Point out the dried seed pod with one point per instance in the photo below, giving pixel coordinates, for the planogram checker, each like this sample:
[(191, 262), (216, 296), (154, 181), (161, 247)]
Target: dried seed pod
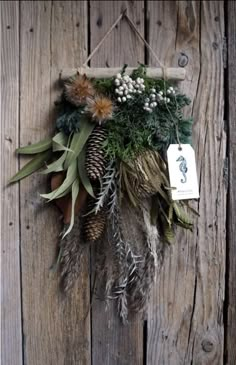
[(78, 89)]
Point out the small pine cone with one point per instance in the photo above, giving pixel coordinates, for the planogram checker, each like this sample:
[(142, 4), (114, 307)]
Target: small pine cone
[(95, 157), (94, 225)]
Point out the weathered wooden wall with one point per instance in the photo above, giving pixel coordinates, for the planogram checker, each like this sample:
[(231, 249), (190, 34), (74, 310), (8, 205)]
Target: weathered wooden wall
[(186, 320)]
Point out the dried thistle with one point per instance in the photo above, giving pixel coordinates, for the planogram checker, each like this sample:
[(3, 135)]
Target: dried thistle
[(100, 108), (78, 89)]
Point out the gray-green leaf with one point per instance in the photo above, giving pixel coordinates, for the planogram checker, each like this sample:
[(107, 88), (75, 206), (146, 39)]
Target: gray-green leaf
[(74, 194), (36, 147), (78, 141), (83, 174), (56, 165), (59, 142), (71, 175), (36, 163)]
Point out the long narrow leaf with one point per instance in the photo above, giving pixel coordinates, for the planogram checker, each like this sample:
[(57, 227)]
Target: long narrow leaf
[(36, 147), (83, 174), (70, 178), (35, 164), (56, 165), (78, 141), (59, 142), (74, 194), (65, 192)]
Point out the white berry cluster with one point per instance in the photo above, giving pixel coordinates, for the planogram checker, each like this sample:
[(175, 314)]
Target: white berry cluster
[(157, 97), (126, 87)]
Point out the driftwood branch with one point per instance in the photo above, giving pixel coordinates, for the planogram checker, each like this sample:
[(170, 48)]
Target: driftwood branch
[(155, 73)]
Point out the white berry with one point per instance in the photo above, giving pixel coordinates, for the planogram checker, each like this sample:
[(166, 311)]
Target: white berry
[(119, 99), (128, 96), (118, 76), (126, 92), (146, 104), (117, 91), (124, 98)]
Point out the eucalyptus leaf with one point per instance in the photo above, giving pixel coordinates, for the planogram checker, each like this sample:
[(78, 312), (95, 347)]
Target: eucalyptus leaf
[(56, 165), (78, 141), (67, 191), (36, 147), (83, 174), (74, 194), (70, 178), (59, 142), (35, 164)]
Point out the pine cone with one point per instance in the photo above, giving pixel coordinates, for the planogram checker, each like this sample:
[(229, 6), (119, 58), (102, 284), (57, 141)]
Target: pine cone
[(94, 224), (95, 157)]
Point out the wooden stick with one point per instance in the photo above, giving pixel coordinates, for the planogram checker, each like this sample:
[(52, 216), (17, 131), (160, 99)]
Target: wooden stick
[(153, 72)]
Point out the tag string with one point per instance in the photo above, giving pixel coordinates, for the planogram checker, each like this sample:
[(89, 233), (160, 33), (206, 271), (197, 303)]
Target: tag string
[(136, 31)]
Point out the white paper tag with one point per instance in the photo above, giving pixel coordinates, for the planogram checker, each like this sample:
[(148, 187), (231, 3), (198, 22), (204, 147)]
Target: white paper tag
[(182, 172)]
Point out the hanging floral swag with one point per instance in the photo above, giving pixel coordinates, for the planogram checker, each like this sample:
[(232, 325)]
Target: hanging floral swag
[(110, 147)]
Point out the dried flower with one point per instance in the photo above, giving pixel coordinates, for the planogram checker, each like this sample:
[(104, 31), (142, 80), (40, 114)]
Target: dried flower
[(100, 108), (77, 90)]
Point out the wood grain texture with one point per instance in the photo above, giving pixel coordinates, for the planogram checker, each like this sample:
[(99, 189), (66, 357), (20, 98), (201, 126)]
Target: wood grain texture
[(185, 317), (11, 331), (40, 40), (112, 342), (231, 254), (55, 329)]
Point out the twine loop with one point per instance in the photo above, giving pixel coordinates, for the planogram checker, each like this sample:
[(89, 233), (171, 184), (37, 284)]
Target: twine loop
[(124, 15)]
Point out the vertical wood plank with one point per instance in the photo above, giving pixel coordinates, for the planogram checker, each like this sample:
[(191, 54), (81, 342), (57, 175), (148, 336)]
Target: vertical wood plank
[(53, 36), (231, 254), (185, 317), (11, 330), (112, 342)]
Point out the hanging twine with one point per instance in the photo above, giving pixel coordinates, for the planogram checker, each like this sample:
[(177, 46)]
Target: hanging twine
[(132, 25)]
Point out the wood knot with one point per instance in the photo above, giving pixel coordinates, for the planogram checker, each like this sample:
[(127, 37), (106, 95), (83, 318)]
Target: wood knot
[(207, 345), (183, 60), (215, 45)]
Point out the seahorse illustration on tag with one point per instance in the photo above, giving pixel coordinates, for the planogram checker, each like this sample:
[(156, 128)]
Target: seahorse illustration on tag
[(183, 168)]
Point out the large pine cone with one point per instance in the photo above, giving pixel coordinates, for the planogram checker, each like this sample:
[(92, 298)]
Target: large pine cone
[(95, 157)]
